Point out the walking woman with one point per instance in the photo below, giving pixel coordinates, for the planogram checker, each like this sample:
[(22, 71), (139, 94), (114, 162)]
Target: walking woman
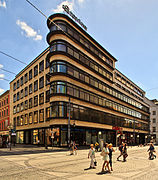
[(111, 150), (105, 154)]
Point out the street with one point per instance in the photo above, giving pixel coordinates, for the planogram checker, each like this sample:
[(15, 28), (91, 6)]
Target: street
[(61, 165)]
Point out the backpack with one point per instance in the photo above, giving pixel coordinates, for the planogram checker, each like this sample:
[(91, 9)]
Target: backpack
[(120, 148)]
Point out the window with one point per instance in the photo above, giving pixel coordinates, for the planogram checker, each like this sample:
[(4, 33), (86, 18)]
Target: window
[(41, 98), (7, 111), (30, 103), (14, 110), (22, 106), (21, 120), (21, 80), (17, 84), (18, 108), (58, 46), (41, 66), (47, 63), (14, 98), (35, 85), (14, 86), (41, 82), (18, 122), (154, 120), (26, 79), (26, 119), (35, 116), (22, 93), (154, 129), (36, 70), (26, 91), (36, 101), (47, 79), (47, 95), (18, 96), (30, 88), (154, 112), (14, 122), (30, 118), (48, 112), (26, 104), (41, 115), (30, 74)]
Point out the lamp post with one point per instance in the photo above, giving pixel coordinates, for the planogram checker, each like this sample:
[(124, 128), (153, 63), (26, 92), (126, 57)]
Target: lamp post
[(131, 140), (138, 139), (146, 139), (69, 109)]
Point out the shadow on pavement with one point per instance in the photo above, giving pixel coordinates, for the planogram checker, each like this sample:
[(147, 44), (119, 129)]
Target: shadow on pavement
[(104, 172), (22, 152)]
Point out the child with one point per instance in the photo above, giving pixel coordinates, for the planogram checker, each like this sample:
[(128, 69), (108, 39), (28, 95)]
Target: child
[(91, 154)]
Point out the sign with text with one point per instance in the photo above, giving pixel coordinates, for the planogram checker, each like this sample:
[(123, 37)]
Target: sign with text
[(66, 9)]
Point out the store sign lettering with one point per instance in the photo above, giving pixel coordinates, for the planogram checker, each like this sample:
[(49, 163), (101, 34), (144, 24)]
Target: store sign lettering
[(66, 8)]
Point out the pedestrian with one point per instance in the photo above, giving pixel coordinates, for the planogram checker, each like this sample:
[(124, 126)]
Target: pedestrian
[(121, 153), (91, 154), (151, 151), (125, 155), (105, 154), (111, 150), (74, 148)]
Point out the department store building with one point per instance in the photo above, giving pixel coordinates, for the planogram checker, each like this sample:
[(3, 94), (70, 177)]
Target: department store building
[(76, 72)]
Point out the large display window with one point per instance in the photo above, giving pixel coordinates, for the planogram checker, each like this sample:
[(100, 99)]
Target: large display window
[(20, 137)]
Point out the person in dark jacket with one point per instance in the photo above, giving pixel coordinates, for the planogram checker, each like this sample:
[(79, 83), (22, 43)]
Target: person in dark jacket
[(120, 149), (151, 151), (111, 150), (124, 151)]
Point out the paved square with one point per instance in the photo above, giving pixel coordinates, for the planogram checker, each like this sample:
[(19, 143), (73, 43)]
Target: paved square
[(61, 165)]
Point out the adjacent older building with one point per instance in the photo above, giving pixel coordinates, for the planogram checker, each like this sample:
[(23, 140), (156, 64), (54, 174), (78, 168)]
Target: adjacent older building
[(75, 79), (4, 116), (153, 136)]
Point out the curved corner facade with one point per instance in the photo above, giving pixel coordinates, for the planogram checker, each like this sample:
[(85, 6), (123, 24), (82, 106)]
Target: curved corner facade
[(81, 76)]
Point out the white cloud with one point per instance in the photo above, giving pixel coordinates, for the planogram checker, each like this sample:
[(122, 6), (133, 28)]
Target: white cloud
[(1, 66), (3, 4), (1, 76), (38, 37), (59, 8), (1, 90), (29, 31), (80, 1)]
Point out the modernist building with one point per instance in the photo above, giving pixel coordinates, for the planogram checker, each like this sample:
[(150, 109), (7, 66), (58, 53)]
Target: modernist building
[(76, 67), (4, 116), (153, 119)]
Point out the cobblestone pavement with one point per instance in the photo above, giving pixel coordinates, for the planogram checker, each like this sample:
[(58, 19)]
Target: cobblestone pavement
[(60, 165)]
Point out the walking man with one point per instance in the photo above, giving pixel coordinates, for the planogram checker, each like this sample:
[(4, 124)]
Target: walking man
[(121, 151), (91, 154)]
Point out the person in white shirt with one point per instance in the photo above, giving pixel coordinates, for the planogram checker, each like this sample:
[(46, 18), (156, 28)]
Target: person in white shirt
[(91, 154), (105, 154)]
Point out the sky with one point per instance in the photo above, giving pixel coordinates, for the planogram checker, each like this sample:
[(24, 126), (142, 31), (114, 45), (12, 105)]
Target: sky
[(128, 29)]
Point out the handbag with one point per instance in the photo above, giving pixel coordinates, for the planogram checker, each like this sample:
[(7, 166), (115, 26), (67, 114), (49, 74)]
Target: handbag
[(95, 162), (102, 153)]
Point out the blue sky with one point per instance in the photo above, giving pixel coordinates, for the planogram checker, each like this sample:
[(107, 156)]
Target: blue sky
[(128, 29)]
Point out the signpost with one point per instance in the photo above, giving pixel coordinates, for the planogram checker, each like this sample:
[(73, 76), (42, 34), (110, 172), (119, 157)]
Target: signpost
[(118, 133)]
